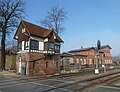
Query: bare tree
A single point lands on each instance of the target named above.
(10, 43)
(116, 59)
(55, 19)
(11, 12)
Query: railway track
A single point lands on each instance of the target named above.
(34, 79)
(105, 79)
(90, 82)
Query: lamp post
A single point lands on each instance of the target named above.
(97, 56)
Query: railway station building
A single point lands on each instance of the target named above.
(85, 57)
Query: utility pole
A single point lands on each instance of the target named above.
(97, 69)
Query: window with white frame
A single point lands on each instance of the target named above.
(34, 45)
(77, 61)
(85, 62)
(26, 47)
(105, 61)
(100, 62)
(90, 61)
(81, 61)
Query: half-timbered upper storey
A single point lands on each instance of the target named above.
(33, 38)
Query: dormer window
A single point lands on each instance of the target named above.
(34, 45)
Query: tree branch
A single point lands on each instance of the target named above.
(54, 19)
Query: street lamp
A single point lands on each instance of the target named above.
(97, 56)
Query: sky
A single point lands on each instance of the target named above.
(86, 22)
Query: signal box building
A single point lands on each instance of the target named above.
(38, 50)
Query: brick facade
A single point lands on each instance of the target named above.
(87, 56)
(39, 64)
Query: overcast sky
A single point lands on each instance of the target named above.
(88, 21)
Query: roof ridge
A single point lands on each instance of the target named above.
(36, 30)
(35, 25)
(87, 48)
(23, 21)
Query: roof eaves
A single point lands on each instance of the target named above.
(21, 22)
(17, 30)
(106, 46)
(80, 55)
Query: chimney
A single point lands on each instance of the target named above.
(81, 47)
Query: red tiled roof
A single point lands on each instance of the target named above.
(104, 46)
(73, 54)
(86, 49)
(36, 30)
(83, 49)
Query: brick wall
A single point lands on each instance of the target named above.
(40, 64)
(44, 64)
(92, 55)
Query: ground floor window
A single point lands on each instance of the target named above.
(81, 61)
(67, 61)
(77, 60)
(85, 61)
(100, 62)
(90, 61)
(105, 61)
